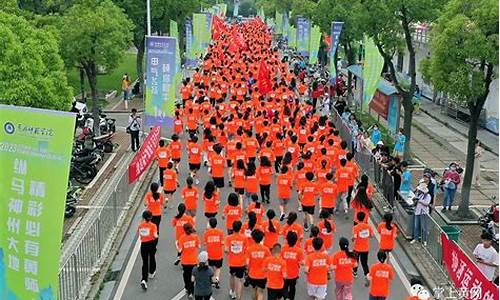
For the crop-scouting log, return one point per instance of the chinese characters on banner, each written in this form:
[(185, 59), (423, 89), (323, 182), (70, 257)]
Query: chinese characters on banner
[(33, 144), (190, 57), (303, 31), (144, 156), (372, 67), (160, 75), (314, 41), (199, 26), (466, 276), (336, 30)]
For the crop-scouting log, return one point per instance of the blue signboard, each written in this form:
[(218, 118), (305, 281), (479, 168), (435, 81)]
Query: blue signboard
[(335, 36)]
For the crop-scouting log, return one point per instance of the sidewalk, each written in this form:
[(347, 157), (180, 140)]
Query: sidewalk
[(117, 105)]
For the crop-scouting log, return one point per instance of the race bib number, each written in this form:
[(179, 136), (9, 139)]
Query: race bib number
[(194, 151), (364, 234), (236, 248), (163, 154), (144, 232)]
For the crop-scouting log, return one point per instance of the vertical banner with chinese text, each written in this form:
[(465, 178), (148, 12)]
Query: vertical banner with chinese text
[(314, 42), (160, 76), (278, 19), (292, 37), (335, 36), (174, 32), (286, 25), (303, 31), (190, 58), (372, 67), (35, 155), (199, 25)]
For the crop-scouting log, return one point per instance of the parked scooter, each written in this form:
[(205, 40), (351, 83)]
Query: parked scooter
[(84, 169), (72, 199), (489, 222)]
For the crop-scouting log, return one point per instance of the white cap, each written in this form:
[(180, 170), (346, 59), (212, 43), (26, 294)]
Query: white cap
[(380, 143), (203, 257), (423, 188)]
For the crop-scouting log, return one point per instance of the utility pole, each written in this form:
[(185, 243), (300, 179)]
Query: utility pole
[(148, 16)]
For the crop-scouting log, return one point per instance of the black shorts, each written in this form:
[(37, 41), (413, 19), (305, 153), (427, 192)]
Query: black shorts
[(274, 294), (215, 263), (240, 191), (218, 181), (237, 272), (176, 160), (192, 131), (229, 163), (308, 209), (330, 210), (169, 192), (210, 215), (257, 283), (194, 167)]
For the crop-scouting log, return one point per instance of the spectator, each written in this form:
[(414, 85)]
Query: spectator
[(202, 278), (419, 216), (133, 128), (340, 105), (376, 135), (486, 257), (406, 178), (450, 182), (399, 147), (346, 114)]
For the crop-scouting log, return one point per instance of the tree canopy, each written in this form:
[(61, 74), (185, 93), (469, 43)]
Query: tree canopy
[(31, 69)]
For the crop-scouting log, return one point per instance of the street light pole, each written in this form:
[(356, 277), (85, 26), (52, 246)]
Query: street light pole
[(148, 16)]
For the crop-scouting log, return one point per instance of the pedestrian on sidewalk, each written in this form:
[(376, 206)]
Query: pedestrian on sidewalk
[(133, 128), (420, 214), (125, 89), (477, 163), (376, 135), (450, 182), (202, 278), (406, 178), (343, 262), (486, 257), (148, 233), (399, 147)]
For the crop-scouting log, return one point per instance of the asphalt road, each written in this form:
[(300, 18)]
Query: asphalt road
[(168, 283)]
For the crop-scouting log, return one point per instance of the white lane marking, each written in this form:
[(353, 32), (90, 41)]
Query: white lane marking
[(116, 105), (393, 262), (128, 271), (101, 170), (179, 295)]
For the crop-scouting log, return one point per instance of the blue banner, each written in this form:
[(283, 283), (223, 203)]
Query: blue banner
[(393, 114), (160, 75), (336, 30), (190, 59), (286, 25), (303, 32)]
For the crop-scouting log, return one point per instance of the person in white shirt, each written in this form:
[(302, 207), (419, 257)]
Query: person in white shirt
[(486, 257), (133, 128), (419, 216)]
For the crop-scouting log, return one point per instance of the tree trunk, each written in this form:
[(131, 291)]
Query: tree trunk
[(475, 109), (82, 84), (351, 60), (139, 66), (91, 70), (407, 121)]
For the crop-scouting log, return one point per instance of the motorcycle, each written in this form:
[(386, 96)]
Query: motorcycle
[(106, 125), (72, 199), (83, 169), (488, 222)]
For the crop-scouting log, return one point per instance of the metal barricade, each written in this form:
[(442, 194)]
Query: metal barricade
[(432, 236), (87, 248)]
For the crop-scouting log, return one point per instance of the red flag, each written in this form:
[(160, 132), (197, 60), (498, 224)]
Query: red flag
[(217, 27), (264, 79)]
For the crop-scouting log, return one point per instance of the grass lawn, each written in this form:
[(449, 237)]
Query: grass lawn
[(106, 82)]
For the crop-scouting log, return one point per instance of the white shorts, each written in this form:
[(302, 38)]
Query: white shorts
[(317, 291)]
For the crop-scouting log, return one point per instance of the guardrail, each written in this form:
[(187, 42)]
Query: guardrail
[(88, 247)]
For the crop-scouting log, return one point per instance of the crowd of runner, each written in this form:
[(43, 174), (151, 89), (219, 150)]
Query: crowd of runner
[(245, 120)]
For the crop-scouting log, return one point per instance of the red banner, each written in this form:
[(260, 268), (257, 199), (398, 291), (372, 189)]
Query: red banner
[(144, 156), (464, 273)]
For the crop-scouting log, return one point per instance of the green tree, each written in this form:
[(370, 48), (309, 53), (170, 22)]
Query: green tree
[(464, 43), (390, 24), (95, 34), (31, 69)]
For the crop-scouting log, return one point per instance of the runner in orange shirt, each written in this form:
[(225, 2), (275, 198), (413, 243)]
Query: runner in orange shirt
[(175, 148), (178, 223), (251, 225), (343, 262), (264, 175), (308, 247), (256, 254), (239, 179), (284, 190), (354, 168), (361, 203), (148, 234), (190, 197), (343, 177), (271, 229), (251, 145), (154, 201), (257, 208), (217, 164), (292, 225), (162, 155), (251, 183), (232, 211), (380, 276), (211, 200), (293, 255), (188, 245), (361, 236), (214, 243), (194, 153), (317, 267), (275, 269), (236, 248), (328, 194), (308, 200), (388, 233), (178, 124), (170, 181), (326, 229)]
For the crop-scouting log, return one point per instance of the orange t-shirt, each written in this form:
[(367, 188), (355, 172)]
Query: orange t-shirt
[(271, 238), (252, 184), (342, 266), (343, 176), (175, 149), (211, 204), (250, 145), (188, 245), (147, 231), (317, 264), (162, 155), (179, 225), (236, 246), (154, 206), (264, 174), (275, 269), (293, 257), (169, 180), (232, 213), (387, 236), (308, 246), (217, 164), (190, 196), (214, 242), (239, 178), (178, 125), (328, 192), (256, 254), (297, 228), (195, 152), (284, 186), (362, 234), (381, 275), (325, 235), (309, 194), (259, 212)]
